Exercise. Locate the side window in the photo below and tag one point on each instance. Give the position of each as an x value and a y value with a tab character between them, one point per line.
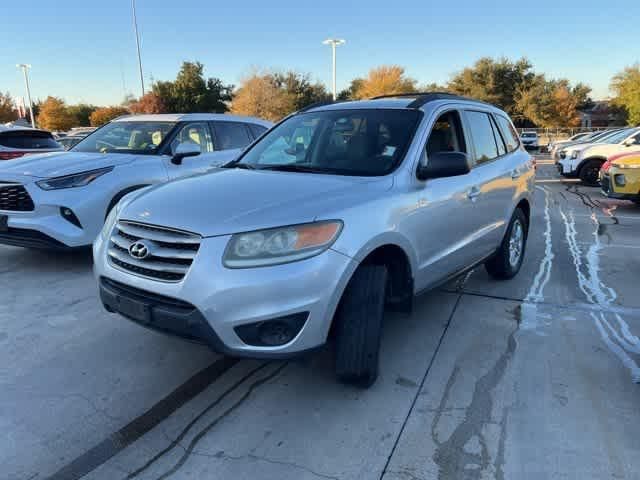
484	141
508	133
256	130
197	133
230	135
502	149
446	135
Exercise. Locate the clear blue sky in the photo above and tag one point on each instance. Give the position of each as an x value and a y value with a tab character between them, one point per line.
84	50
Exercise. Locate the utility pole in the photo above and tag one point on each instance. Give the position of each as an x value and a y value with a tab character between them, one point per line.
135	28
24	67
334	42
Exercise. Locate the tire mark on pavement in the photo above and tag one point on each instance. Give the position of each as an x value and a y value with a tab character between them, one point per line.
118	441
189	450
176	441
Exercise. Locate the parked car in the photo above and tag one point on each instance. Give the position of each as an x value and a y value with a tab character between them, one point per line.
620	177
334	214
557	149
16	142
529	140
553	147
69	141
584	160
61	200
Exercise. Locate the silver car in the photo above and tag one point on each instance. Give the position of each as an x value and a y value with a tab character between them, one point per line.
335	214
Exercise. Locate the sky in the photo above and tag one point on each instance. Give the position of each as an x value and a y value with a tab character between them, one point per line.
84	50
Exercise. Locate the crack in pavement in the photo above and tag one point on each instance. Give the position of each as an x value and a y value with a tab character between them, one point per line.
224	456
175	442
201	434
452	460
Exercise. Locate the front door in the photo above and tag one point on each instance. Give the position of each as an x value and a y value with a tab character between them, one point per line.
197	133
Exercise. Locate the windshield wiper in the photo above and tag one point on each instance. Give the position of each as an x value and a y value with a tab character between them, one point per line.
246	166
296	168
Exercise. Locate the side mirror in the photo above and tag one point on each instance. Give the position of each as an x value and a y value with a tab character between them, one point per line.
184	150
629	142
444	164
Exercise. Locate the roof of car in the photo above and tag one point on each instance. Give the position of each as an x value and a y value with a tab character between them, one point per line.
182	117
19	128
399	101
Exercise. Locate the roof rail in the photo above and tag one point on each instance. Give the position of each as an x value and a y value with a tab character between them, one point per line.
426	97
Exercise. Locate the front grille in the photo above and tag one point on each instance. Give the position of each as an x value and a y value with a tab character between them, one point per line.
168	253
15	198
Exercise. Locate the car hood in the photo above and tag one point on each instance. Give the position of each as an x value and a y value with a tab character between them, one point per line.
57	164
580	147
227	201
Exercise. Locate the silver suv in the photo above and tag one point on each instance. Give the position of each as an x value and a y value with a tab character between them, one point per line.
336	213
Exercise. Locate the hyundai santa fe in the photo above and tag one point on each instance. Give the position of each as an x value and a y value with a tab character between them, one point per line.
60	200
338	212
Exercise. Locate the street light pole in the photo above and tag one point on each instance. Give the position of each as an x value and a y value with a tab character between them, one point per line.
135	28
334	42
24	67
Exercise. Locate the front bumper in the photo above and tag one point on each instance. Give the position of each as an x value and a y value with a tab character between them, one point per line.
566	167
609	189
213	301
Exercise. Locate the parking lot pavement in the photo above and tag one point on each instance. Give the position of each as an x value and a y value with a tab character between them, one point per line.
529	378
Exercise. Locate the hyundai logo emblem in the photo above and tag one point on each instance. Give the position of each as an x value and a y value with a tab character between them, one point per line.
139	250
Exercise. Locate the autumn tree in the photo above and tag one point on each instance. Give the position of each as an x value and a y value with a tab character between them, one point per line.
260	96
349	93
105	114
81	114
385	80
302	89
54	115
150	102
8	110
192	92
626	87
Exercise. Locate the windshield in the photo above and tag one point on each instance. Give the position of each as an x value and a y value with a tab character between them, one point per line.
616	137
126	137
529	135
344	142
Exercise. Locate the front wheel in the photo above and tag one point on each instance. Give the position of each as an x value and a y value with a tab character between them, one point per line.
589	173
506	263
359	326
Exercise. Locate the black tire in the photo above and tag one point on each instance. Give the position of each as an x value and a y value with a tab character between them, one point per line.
359	326
636	201
500	266
589	173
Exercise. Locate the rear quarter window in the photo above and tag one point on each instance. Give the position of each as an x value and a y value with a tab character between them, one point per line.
256	130
509	134
28	140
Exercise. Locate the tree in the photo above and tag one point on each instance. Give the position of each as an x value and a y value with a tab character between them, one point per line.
300	87
8	110
349	93
191	92
150	102
54	115
385	80
499	82
552	103
259	95
626	86
81	114
105	114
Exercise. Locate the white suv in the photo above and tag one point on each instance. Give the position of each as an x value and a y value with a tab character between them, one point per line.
584	160
335	213
60	200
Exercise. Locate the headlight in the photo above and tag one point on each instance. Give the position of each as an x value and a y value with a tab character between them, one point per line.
71	181
574	154
280	245
110	222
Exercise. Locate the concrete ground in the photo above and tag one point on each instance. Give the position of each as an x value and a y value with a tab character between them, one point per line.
529	378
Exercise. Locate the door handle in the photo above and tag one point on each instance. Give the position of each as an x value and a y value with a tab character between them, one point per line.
473	193
515	174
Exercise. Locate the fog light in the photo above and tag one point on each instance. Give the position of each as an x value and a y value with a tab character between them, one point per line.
620	180
272	333
69	216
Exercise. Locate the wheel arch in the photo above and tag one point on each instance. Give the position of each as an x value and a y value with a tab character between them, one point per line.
118	196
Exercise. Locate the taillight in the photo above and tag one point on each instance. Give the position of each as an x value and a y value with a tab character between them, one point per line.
606	166
10	155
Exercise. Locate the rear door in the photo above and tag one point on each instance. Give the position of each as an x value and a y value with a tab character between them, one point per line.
496	171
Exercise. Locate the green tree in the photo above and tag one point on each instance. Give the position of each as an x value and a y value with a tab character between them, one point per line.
497	81
626	87
191	92
81	114
349	93
385	80
8	110
54	115
301	88
103	115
